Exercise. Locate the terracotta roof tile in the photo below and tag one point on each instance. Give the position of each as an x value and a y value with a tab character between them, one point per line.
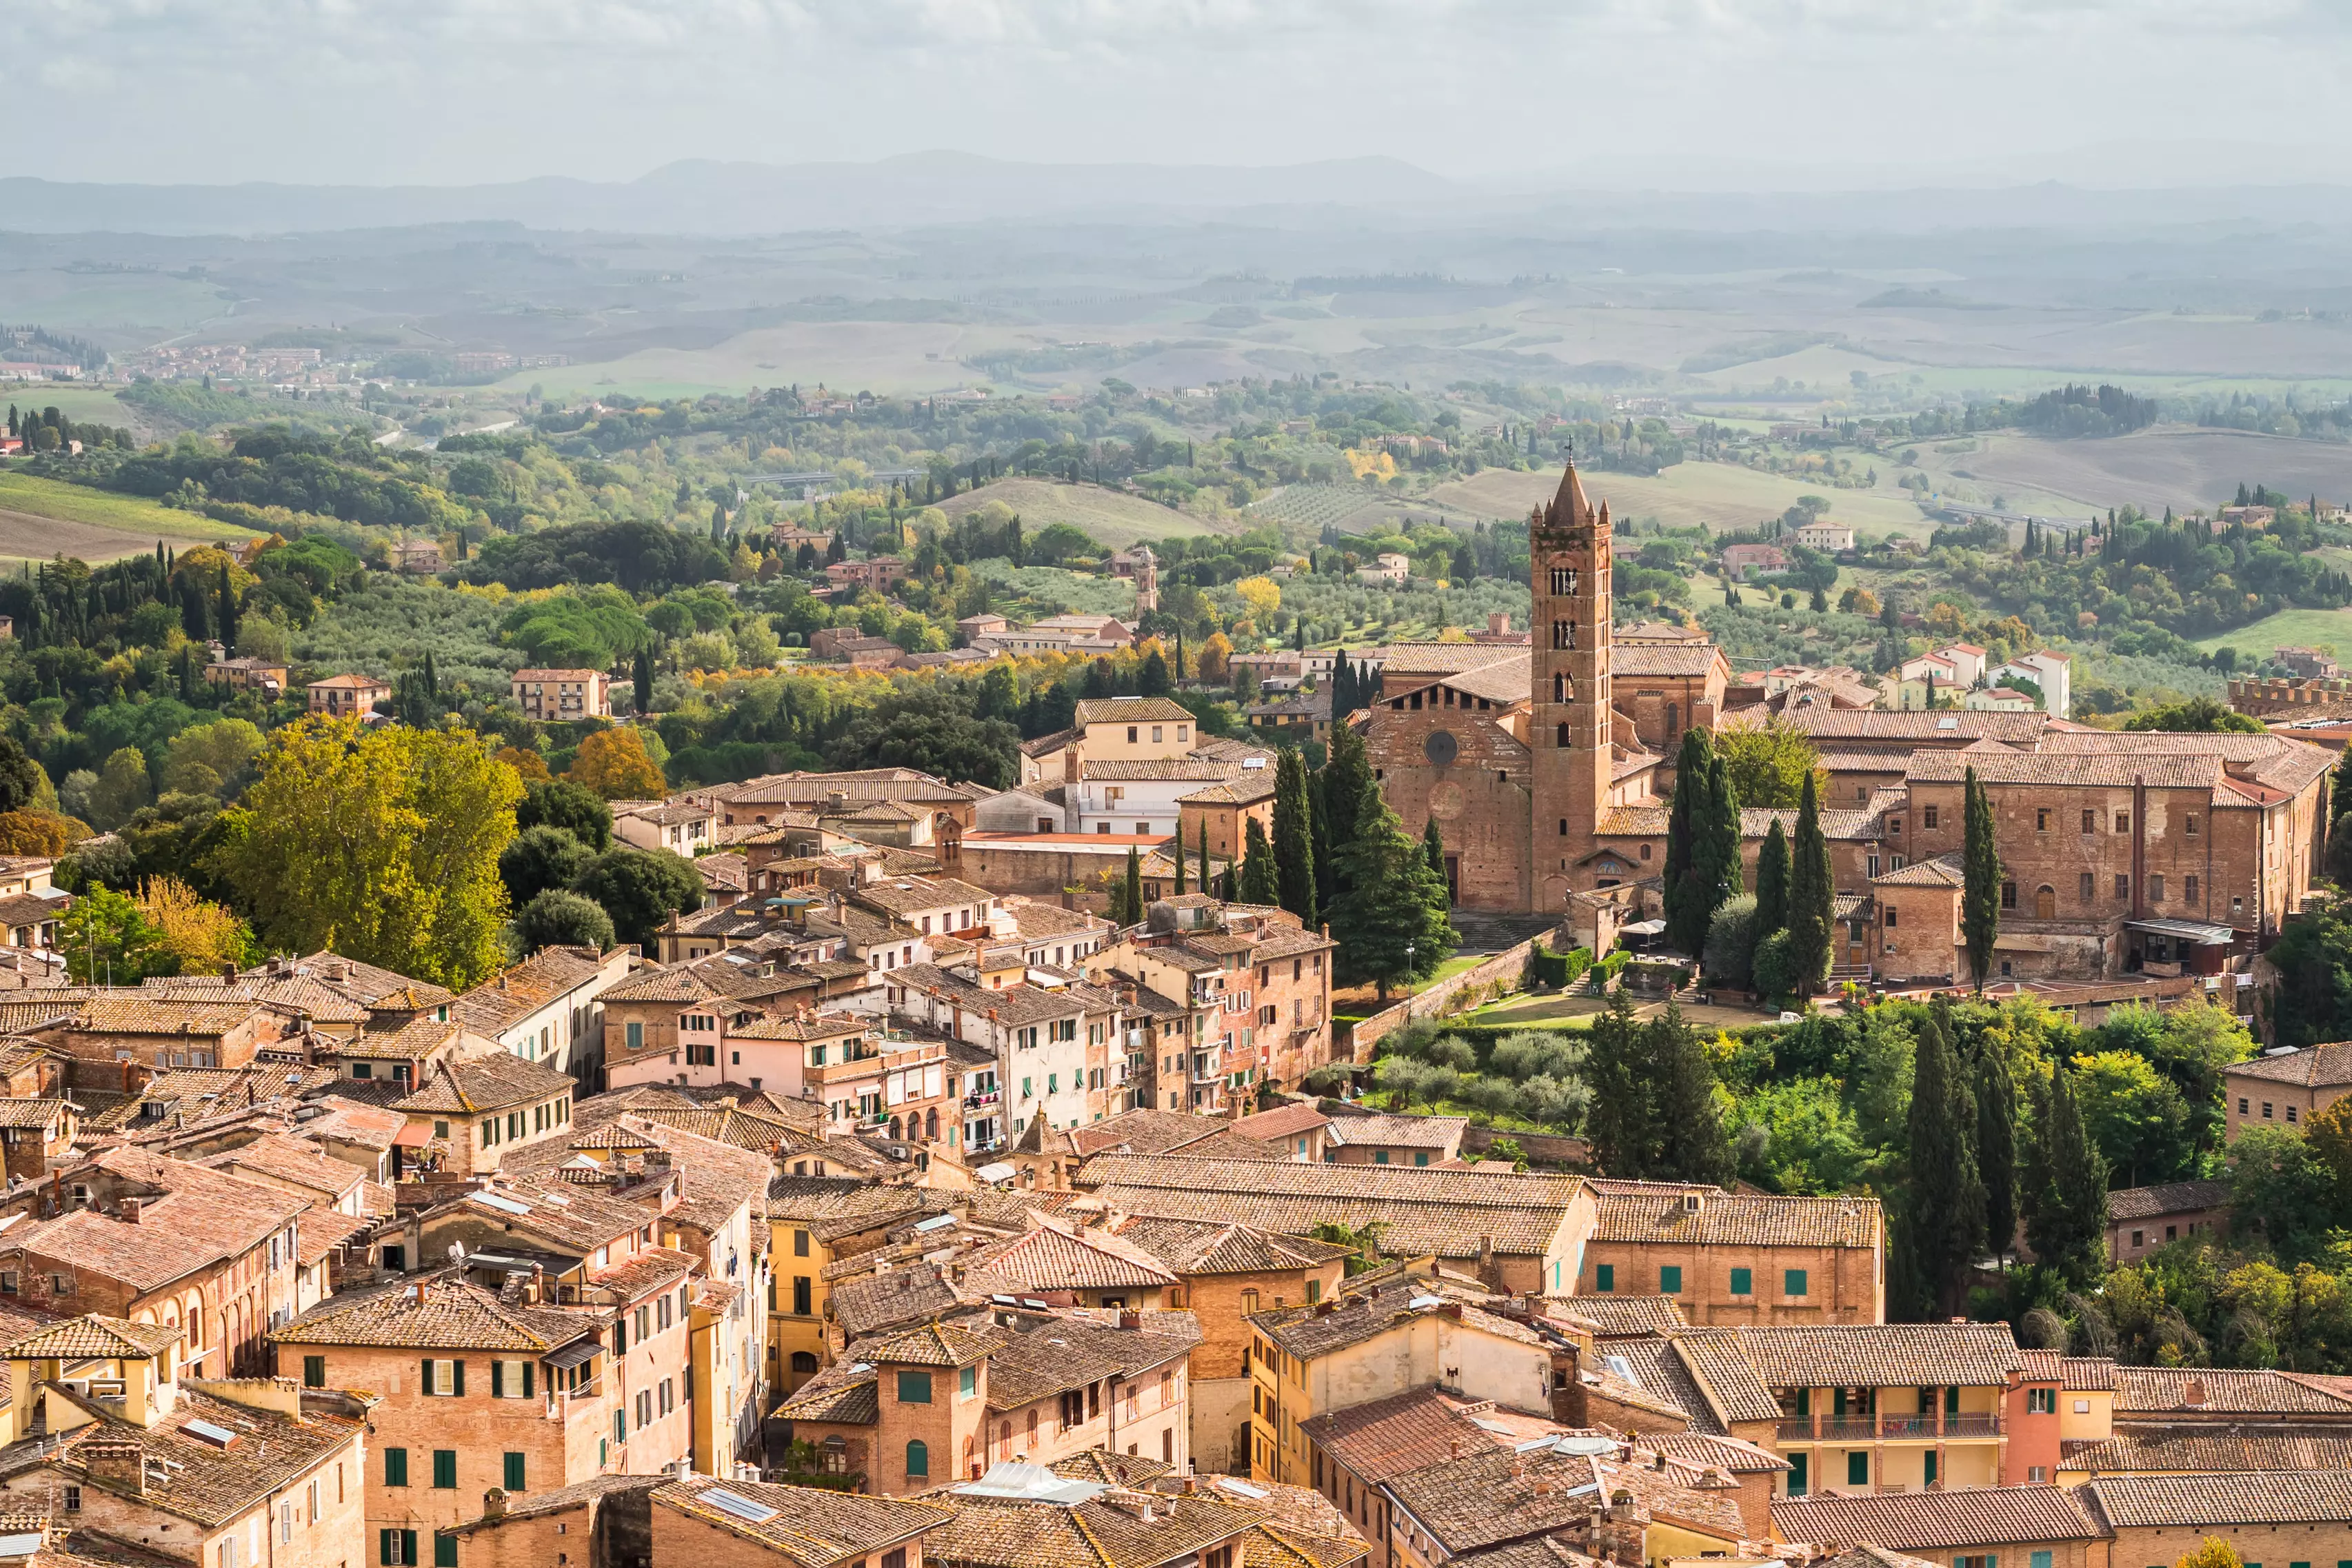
1963	1518
815	1527
442	1311
1737	1220
2145	1391
2224	1501
2198	1453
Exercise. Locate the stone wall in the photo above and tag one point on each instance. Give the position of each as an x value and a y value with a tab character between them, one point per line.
1511	965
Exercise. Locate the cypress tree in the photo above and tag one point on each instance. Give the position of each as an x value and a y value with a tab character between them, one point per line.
1682	815
1945	1208
1621	1119
227	610
1723	837
1773	883
1347	771
1996	1097
1294	844
1227	889
1260	885
2065	1187
1693	1145
1812	895
1204	855
1131	891
1178	856
644	673
1980	879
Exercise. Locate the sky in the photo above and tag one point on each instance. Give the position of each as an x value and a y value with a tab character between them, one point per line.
1679	94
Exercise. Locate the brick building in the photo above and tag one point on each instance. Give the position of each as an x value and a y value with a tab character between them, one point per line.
2286	1089
176	1469
2047	1526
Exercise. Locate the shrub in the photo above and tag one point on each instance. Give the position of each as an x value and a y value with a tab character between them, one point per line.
1730	955
558	915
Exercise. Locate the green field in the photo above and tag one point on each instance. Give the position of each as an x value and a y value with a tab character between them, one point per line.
1716	494
2288	629
40	519
91	405
1111	517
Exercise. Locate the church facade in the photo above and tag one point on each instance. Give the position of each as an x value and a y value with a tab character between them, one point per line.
1545	768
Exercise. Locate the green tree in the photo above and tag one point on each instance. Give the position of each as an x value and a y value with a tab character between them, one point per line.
107	940
1621	1120
2196	715
1723	837
1686	928
2064	1188
1769	762
1346	770
1772	865
930	727
1205	853
1390	923
1979	879
1996	1098
1260	883
1945	1207
1130	890
1693	1145
1813	897
22	782
1433	851
576	809
121	790
538	858
558	916
641	888
1293	845
382	845
2134	1116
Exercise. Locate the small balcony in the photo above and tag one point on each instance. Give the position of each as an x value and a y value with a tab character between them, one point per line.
1915	1427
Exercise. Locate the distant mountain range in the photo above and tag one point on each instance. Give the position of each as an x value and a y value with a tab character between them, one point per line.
705	196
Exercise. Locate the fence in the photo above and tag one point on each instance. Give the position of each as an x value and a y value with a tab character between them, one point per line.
1430	1002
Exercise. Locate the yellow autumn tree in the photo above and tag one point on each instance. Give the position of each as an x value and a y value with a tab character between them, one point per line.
614	764
2215	1553
204	936
1214	657
1263	595
36	832
530	765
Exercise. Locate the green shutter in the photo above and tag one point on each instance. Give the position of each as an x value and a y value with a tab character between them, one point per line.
1670	1280
444	1469
1793	1282
444	1550
395	1466
387	1548
514	1472
1857	1468
314	1371
498	1379
428	1384
458	1371
408	1549
1797	1463
1743	1283
1605	1276
526	1370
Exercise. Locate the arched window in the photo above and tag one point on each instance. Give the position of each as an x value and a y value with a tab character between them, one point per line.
919	1458
2045	903
932	1124
803	1364
1674	720
1559	686
1563	740
894	1128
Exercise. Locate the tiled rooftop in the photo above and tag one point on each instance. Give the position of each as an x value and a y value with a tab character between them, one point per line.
1962	1519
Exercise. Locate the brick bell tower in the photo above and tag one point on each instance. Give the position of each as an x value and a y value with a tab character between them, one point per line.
1568	561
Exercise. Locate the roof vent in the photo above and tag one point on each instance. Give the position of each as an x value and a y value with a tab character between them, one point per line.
2195	1392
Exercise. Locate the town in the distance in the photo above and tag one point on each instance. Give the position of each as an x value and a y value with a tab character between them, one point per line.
1162	965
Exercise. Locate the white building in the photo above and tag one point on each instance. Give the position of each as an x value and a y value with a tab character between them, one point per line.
1827	537
545	1009
2051	671
1388	569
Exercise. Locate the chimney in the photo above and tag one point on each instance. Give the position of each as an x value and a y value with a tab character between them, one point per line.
129	1209
1130	1320
123	1464
494	1503
229	974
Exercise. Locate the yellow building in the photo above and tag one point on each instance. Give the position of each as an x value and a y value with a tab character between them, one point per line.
1388	1333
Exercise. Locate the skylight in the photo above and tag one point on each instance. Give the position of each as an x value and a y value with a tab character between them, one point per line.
503	1204
205	1432
742	1508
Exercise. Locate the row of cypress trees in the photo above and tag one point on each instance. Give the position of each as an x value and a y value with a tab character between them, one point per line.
1796	893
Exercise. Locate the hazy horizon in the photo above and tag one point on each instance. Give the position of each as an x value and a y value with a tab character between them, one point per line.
1672	95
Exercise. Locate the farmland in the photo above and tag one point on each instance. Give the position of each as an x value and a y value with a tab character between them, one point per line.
1717	494
42	518
1115	518
2185	469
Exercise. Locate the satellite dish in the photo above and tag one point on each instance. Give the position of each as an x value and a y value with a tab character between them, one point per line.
457	1252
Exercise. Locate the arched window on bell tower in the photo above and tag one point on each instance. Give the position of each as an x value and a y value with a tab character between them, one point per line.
1562	741
1560	686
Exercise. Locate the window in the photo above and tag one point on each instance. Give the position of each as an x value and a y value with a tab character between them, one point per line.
2082	1408
2156	888
512	1379
2009	895
395	1549
2090	820
1797	1467
2188	828
2037	1474
636	1033
314	1371
914	1388
801	1307
444	1469
444	1550
1605	1276
1670	1280
2041	1401
514	1472
1891	922
2123	825
2241	1105
1743	1283
445	1379
2123	884
1927	817
73	1500
968	1381
2188	887
918	1459
1793	1282
2086	886
2041	819
1857	1468
395	1466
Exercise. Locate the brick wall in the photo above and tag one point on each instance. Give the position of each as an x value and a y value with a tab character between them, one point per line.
1480	797
1430	1001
